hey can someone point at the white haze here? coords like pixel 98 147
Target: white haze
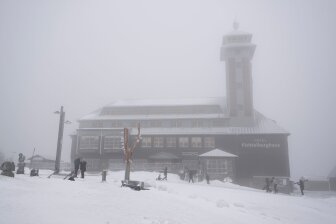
pixel 84 54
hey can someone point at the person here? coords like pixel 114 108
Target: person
pixel 21 164
pixel 165 172
pixel 275 185
pixel 267 185
pixel 7 168
pixel 77 162
pixel 159 177
pixel 191 178
pixel 207 178
pixel 82 166
pixel 301 184
pixel 34 172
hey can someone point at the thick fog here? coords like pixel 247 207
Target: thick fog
pixel 83 54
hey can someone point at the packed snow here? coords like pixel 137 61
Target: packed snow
pixel 34 200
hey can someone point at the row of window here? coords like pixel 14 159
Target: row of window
pixel 181 142
pixel 200 109
pixel 181 123
pixel 115 142
pixel 217 166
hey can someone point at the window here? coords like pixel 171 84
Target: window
pixel 196 123
pixel 89 142
pixel 183 142
pixel 116 124
pixel 217 166
pixel 146 142
pixel 171 142
pixel 113 143
pixel 209 142
pixel 158 142
pixel 97 124
pixel 155 123
pixel 196 142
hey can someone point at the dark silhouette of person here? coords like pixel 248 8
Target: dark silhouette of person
pixel 7 168
pixel 207 178
pixel 301 184
pixel 267 185
pixel 275 185
pixel 77 163
pixel 191 176
pixel 165 172
pixel 82 167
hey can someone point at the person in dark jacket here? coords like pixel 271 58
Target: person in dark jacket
pixel 82 166
pixel 191 176
pixel 7 168
pixel 165 172
pixel 76 162
pixel 267 185
pixel 207 178
pixel 275 185
pixel 301 184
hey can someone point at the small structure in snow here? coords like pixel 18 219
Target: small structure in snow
pixel 218 164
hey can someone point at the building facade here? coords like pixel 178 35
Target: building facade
pixel 175 132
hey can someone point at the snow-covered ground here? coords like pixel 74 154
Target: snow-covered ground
pixel 42 200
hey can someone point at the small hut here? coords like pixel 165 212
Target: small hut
pixel 218 164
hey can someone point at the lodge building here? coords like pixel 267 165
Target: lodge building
pixel 225 137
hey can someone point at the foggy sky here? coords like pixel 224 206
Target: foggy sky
pixel 84 54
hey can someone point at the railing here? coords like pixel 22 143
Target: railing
pixel 159 167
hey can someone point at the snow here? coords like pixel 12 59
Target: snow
pixel 168 102
pixel 32 200
pixel 217 153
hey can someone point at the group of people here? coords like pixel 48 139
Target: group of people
pixel 8 167
pixel 80 164
pixel 271 183
pixel 165 173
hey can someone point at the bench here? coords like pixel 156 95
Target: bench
pixel 133 184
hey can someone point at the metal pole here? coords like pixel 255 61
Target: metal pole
pixel 59 141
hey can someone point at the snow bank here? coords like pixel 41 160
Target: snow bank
pixel 33 200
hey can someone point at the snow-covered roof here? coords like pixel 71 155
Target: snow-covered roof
pixel 166 102
pixel 217 153
pixel 143 108
pixel 39 158
pixel 262 125
pixel 217 109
